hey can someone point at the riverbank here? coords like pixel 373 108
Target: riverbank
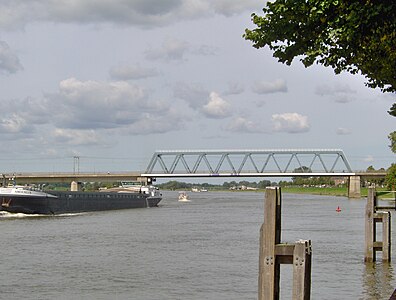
pixel 326 191
pixel 330 191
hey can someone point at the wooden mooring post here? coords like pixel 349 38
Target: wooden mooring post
pixel 372 217
pixel 273 253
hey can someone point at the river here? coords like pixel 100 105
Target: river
pixel 203 249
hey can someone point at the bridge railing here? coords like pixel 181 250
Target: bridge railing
pixel 283 161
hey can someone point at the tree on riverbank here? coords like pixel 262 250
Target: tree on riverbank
pixel 390 179
pixel 354 36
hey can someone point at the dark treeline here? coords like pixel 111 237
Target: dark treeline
pixel 300 181
pixel 242 185
pixel 177 185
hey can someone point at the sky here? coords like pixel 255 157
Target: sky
pixel 112 81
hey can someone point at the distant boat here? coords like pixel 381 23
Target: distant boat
pixel 197 190
pixel 183 197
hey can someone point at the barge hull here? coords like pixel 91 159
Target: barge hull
pixel 75 202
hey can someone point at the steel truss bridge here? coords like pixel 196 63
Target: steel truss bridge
pixel 249 163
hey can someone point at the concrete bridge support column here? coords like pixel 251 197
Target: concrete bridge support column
pixel 144 180
pixel 354 187
pixel 75 186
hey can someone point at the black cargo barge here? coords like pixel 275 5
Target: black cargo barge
pixel 20 199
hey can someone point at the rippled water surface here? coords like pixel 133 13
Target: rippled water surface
pixel 203 249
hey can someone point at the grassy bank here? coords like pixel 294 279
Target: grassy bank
pixel 332 191
pixel 329 191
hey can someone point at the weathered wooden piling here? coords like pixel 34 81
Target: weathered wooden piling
pixel 302 270
pixel 372 217
pixel 273 253
pixel 393 296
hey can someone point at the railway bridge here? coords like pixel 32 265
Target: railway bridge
pixel 223 163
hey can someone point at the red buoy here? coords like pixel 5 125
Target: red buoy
pixel 338 209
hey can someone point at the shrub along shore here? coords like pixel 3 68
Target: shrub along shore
pixel 260 187
pixel 331 191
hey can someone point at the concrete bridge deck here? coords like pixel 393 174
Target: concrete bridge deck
pixel 27 178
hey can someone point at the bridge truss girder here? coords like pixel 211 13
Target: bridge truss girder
pixel 171 163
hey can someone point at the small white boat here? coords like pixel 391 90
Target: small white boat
pixel 183 197
pixel 198 190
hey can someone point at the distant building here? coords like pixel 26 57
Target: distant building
pixel 339 180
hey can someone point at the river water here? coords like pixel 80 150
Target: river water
pixel 203 249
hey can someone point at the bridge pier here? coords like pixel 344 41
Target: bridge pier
pixel 75 186
pixel 354 187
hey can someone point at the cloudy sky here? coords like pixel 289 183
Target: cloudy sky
pixel 111 81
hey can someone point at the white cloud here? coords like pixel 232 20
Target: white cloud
pixel 76 137
pixel 204 50
pixel 176 50
pixel 171 50
pixel 241 124
pixel 341 93
pixel 343 99
pixel 234 88
pixel 128 72
pixel 369 159
pixel 119 106
pixel 195 95
pixel 290 123
pixel 9 61
pixel 155 123
pixel 343 131
pixel 217 107
pixel 14 124
pixel 327 90
pixel 84 113
pixel 265 87
pixel 93 104
pixel 81 106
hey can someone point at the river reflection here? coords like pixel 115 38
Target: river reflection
pixel 377 280
pixel 203 249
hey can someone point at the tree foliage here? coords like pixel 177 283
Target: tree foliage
pixel 390 178
pixel 392 138
pixel 392 110
pixel 354 36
